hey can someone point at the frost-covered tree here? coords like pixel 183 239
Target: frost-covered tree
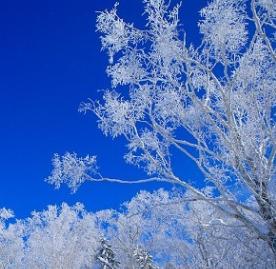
pixel 214 103
pixel 219 241
pixel 60 237
pixel 106 256
pixel 154 230
pixel 142 223
pixel 177 230
pixel 11 241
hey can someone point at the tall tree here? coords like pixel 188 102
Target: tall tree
pixel 214 103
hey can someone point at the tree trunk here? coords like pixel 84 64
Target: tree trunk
pixel 267 213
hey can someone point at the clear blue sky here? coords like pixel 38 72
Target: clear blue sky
pixel 50 61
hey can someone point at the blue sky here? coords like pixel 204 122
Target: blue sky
pixel 50 61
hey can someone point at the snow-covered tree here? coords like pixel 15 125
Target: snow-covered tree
pixel 214 103
pixel 106 256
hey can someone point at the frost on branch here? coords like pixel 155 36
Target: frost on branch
pixel 269 6
pixel 116 33
pixel 224 27
pixel 117 115
pixel 127 69
pixel 150 152
pixel 71 170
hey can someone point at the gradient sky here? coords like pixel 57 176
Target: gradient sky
pixel 50 61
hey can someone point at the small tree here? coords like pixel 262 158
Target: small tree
pixel 106 256
pixel 143 259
